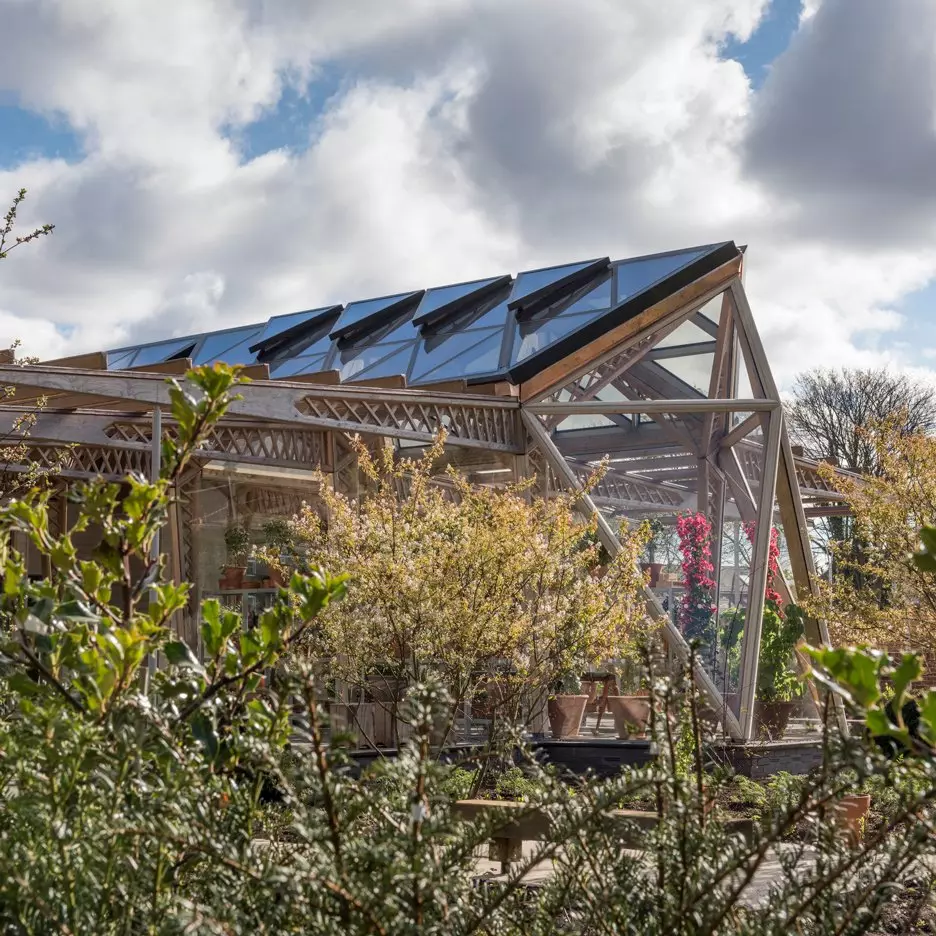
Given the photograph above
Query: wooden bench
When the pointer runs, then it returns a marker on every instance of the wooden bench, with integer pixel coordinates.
(522, 823)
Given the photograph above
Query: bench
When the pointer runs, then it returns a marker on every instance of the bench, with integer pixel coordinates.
(522, 823)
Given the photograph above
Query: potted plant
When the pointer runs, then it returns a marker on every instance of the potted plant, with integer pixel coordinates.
(237, 542)
(631, 709)
(655, 528)
(778, 686)
(566, 706)
(277, 535)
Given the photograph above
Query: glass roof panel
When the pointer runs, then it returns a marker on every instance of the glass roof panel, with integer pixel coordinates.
(231, 347)
(443, 295)
(358, 313)
(118, 359)
(280, 323)
(156, 354)
(458, 357)
(536, 279)
(485, 316)
(584, 421)
(435, 349)
(634, 276)
(307, 364)
(315, 342)
(352, 361)
(390, 366)
(535, 334)
(596, 300)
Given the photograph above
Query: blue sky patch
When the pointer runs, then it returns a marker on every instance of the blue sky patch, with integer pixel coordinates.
(26, 135)
(769, 40)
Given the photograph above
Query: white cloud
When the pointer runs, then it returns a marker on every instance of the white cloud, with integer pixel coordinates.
(495, 135)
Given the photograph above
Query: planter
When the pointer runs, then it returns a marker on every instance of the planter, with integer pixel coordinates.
(233, 578)
(276, 577)
(565, 715)
(771, 718)
(631, 715)
(850, 816)
(654, 569)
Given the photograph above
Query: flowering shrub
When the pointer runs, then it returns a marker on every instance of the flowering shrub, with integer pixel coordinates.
(771, 595)
(696, 609)
(489, 590)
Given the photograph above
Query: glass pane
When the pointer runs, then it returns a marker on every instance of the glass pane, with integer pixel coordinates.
(536, 334)
(597, 299)
(351, 361)
(119, 359)
(155, 354)
(584, 422)
(486, 315)
(687, 333)
(231, 347)
(483, 358)
(358, 313)
(394, 364)
(537, 279)
(436, 350)
(443, 295)
(693, 369)
(280, 323)
(634, 276)
(307, 364)
(316, 342)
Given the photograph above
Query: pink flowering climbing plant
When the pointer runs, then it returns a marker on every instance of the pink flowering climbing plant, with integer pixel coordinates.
(773, 565)
(696, 609)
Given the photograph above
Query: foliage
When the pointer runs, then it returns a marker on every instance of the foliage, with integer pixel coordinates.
(132, 810)
(237, 541)
(696, 608)
(277, 534)
(777, 680)
(514, 784)
(834, 414)
(879, 595)
(483, 588)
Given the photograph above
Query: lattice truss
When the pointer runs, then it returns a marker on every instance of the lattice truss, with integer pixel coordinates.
(483, 424)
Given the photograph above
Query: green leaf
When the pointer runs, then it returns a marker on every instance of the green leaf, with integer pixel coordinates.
(928, 716)
(204, 732)
(21, 683)
(907, 672)
(179, 654)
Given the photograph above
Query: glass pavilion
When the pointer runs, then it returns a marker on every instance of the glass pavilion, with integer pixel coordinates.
(653, 362)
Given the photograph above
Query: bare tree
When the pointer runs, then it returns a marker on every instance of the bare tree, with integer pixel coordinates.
(832, 410)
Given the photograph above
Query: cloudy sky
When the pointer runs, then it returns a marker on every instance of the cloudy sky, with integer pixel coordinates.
(216, 162)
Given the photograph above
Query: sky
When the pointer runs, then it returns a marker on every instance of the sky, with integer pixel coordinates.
(218, 162)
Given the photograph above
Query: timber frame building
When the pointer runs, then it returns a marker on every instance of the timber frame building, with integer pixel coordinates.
(654, 362)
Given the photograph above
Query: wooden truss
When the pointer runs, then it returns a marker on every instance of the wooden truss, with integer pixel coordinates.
(680, 400)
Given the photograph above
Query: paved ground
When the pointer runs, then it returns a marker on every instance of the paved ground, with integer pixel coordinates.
(769, 874)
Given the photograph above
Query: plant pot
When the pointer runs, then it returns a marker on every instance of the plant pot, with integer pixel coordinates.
(277, 579)
(654, 568)
(631, 715)
(233, 577)
(565, 715)
(850, 816)
(771, 718)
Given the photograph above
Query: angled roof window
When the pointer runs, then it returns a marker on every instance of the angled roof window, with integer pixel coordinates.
(118, 359)
(537, 285)
(352, 361)
(450, 300)
(166, 351)
(284, 328)
(466, 354)
(231, 347)
(394, 364)
(360, 316)
(307, 364)
(634, 276)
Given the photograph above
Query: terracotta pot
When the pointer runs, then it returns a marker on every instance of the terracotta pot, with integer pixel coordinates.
(631, 715)
(276, 577)
(565, 715)
(850, 815)
(654, 568)
(233, 577)
(771, 718)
